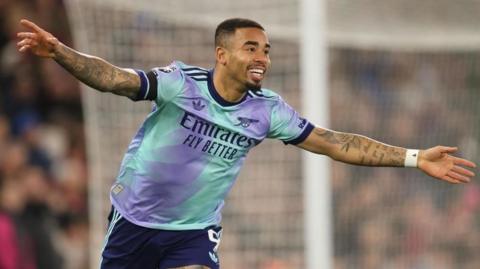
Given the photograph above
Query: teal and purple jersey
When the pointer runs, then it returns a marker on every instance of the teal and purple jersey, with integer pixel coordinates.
(188, 152)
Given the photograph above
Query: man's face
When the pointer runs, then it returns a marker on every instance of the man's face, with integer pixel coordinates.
(247, 57)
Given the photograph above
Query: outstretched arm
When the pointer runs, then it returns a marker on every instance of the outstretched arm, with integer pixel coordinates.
(356, 149)
(93, 71)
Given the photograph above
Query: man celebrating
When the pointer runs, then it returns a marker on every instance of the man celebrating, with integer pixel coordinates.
(184, 159)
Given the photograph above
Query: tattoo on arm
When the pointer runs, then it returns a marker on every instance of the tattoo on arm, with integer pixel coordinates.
(362, 150)
(97, 73)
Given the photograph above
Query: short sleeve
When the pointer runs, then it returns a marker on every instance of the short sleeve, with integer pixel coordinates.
(161, 84)
(287, 125)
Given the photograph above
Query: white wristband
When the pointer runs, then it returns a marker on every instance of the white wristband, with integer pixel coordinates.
(411, 158)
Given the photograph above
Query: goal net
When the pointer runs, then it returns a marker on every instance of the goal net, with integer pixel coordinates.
(401, 71)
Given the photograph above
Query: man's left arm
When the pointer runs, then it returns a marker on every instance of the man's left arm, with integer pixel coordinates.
(360, 150)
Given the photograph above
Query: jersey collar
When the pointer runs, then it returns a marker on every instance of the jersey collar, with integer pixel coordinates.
(214, 93)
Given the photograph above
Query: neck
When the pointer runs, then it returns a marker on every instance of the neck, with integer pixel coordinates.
(229, 89)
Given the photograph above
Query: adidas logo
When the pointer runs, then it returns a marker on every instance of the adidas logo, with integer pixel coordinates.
(197, 105)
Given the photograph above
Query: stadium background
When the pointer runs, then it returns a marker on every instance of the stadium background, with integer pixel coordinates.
(403, 72)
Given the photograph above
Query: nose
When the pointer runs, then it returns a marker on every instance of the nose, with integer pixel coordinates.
(261, 57)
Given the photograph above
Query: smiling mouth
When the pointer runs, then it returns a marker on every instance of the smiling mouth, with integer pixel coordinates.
(257, 73)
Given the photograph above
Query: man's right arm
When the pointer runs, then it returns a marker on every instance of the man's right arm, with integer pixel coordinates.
(98, 73)
(93, 71)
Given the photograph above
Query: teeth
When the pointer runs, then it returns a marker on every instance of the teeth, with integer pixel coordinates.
(259, 71)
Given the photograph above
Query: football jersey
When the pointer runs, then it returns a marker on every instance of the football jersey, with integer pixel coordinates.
(188, 152)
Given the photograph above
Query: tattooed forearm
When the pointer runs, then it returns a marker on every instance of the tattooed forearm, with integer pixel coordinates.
(357, 149)
(97, 73)
(345, 140)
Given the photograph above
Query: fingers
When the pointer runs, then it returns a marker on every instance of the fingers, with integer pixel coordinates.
(463, 171)
(24, 48)
(444, 149)
(28, 39)
(31, 25)
(463, 162)
(26, 44)
(26, 35)
(458, 177)
(450, 179)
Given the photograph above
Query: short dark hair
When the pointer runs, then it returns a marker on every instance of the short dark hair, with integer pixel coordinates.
(228, 27)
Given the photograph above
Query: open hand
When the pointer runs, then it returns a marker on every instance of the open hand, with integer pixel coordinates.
(437, 162)
(38, 41)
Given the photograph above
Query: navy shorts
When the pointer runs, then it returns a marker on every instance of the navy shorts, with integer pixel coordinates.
(129, 246)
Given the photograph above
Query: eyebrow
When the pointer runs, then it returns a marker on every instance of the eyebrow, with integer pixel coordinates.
(256, 44)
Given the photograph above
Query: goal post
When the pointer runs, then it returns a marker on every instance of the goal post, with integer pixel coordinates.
(313, 48)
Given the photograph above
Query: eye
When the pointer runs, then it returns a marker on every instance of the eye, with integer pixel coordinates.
(251, 49)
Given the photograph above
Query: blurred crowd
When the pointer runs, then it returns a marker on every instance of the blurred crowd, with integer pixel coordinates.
(43, 205)
(399, 218)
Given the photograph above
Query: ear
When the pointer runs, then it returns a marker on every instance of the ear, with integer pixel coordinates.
(221, 55)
